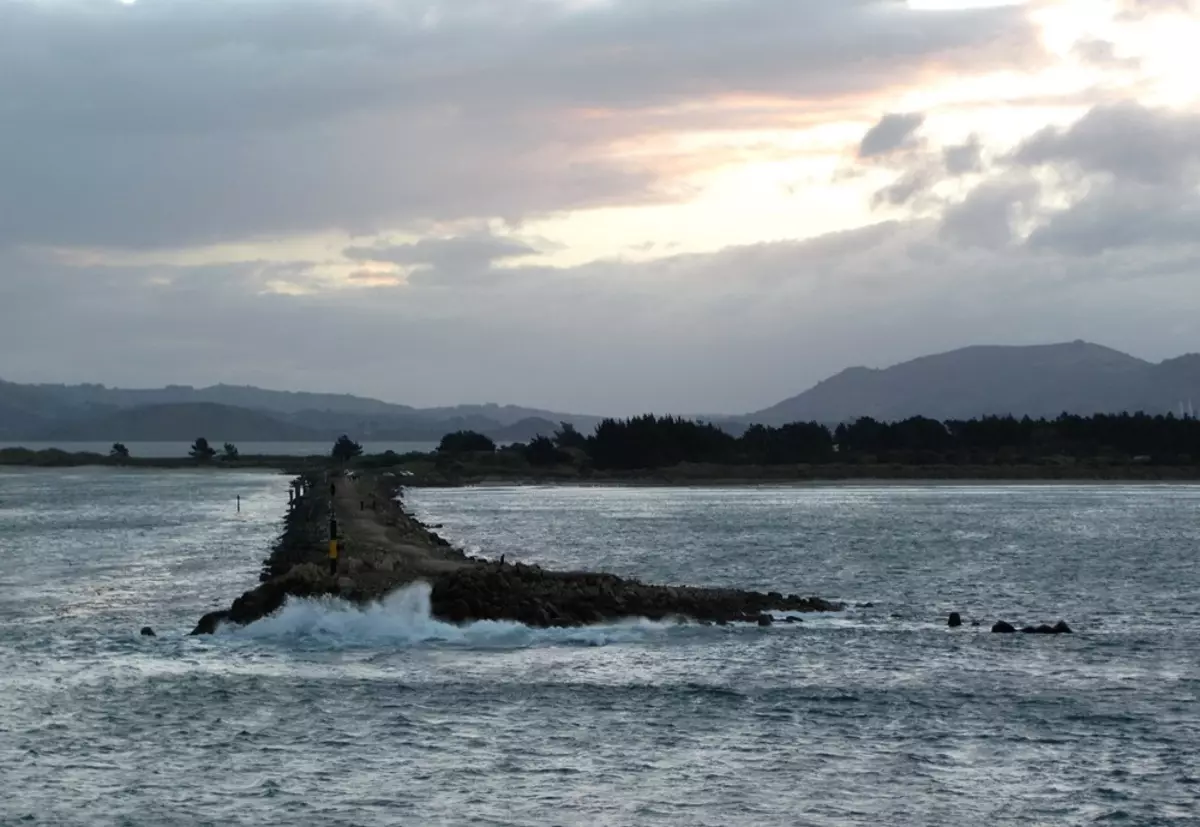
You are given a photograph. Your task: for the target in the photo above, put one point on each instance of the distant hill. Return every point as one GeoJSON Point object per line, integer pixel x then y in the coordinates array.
{"type": "Point", "coordinates": [68, 413]}
{"type": "Point", "coordinates": [525, 430]}
{"type": "Point", "coordinates": [1043, 380]}
{"type": "Point", "coordinates": [181, 423]}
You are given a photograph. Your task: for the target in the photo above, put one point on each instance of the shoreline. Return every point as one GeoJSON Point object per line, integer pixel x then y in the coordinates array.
{"type": "Point", "coordinates": [385, 548]}
{"type": "Point", "coordinates": [423, 473]}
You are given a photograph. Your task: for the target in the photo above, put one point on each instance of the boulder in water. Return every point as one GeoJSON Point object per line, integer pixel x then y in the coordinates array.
{"type": "Point", "coordinates": [148, 632]}
{"type": "Point", "coordinates": [955, 620]}
{"type": "Point", "coordinates": [765, 620]}
{"type": "Point", "coordinates": [209, 623]}
{"type": "Point", "coordinates": [1001, 627]}
{"type": "Point", "coordinates": [1060, 628]}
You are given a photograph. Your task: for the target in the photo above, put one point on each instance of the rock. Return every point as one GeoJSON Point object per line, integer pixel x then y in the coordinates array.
{"type": "Point", "coordinates": [765, 620]}
{"type": "Point", "coordinates": [345, 584]}
{"type": "Point", "coordinates": [209, 623]}
{"type": "Point", "coordinates": [975, 623]}
{"type": "Point", "coordinates": [1001, 627]}
{"type": "Point", "coordinates": [792, 619]}
{"type": "Point", "coordinates": [459, 611]}
{"type": "Point", "coordinates": [148, 632]}
{"type": "Point", "coordinates": [955, 620]}
{"type": "Point", "coordinates": [1060, 628]}
{"type": "Point", "coordinates": [864, 605]}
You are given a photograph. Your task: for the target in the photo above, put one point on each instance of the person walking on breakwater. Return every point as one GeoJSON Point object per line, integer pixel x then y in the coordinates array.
{"type": "Point", "coordinates": [333, 545]}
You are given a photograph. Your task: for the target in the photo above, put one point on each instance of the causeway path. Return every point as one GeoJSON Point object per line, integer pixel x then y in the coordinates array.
{"type": "Point", "coordinates": [385, 537]}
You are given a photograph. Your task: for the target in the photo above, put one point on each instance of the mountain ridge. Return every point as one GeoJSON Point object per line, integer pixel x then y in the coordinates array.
{"type": "Point", "coordinates": [978, 380]}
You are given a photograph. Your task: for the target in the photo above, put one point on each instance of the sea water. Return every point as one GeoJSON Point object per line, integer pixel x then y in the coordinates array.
{"type": "Point", "coordinates": [879, 715]}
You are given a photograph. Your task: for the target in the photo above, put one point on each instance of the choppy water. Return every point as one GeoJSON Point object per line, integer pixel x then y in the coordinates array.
{"type": "Point", "coordinates": [880, 716]}
{"type": "Point", "coordinates": [172, 450]}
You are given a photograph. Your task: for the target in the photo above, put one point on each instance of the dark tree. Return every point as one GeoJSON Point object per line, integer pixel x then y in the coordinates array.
{"type": "Point", "coordinates": [346, 449]}
{"type": "Point", "coordinates": [541, 451]}
{"type": "Point", "coordinates": [567, 437]}
{"type": "Point", "coordinates": [466, 442]}
{"type": "Point", "coordinates": [653, 442]}
{"type": "Point", "coordinates": [201, 450]}
{"type": "Point", "coordinates": [119, 451]}
{"type": "Point", "coordinates": [229, 452]}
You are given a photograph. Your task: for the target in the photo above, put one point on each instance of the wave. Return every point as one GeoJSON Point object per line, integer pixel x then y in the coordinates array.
{"type": "Point", "coordinates": [405, 618]}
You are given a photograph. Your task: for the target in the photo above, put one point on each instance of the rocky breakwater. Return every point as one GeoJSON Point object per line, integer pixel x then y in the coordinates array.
{"type": "Point", "coordinates": [386, 548]}
{"type": "Point", "coordinates": [294, 565]}
{"type": "Point", "coordinates": [537, 597]}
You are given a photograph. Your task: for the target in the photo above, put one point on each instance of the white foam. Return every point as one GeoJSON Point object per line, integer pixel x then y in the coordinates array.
{"type": "Point", "coordinates": [405, 618]}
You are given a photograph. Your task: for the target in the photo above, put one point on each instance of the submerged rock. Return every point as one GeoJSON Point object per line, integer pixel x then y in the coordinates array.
{"type": "Point", "coordinates": [955, 620]}
{"type": "Point", "coordinates": [148, 632]}
{"type": "Point", "coordinates": [1060, 628]}
{"type": "Point", "coordinates": [1001, 627]}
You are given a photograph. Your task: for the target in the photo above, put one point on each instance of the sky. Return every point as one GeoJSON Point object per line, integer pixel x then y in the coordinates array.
{"type": "Point", "coordinates": [601, 206]}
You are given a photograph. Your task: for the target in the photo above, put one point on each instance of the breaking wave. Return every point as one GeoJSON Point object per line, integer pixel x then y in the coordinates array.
{"type": "Point", "coordinates": [405, 618]}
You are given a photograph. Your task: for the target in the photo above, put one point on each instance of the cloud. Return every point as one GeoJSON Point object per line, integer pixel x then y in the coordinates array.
{"type": "Point", "coordinates": [481, 249]}
{"type": "Point", "coordinates": [164, 124]}
{"type": "Point", "coordinates": [891, 133]}
{"type": "Point", "coordinates": [454, 260]}
{"type": "Point", "coordinates": [1126, 140]}
{"type": "Point", "coordinates": [1133, 10]}
{"type": "Point", "coordinates": [179, 122]}
{"type": "Point", "coordinates": [1135, 179]}
{"type": "Point", "coordinates": [964, 158]}
{"type": "Point", "coordinates": [724, 332]}
{"type": "Point", "coordinates": [1103, 54]}
{"type": "Point", "coordinates": [988, 216]}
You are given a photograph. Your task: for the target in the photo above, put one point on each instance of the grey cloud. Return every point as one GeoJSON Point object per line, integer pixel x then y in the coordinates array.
{"type": "Point", "coordinates": [730, 331]}
{"type": "Point", "coordinates": [1127, 140]}
{"type": "Point", "coordinates": [906, 188]}
{"type": "Point", "coordinates": [457, 260]}
{"type": "Point", "coordinates": [169, 123]}
{"type": "Point", "coordinates": [1121, 215]}
{"type": "Point", "coordinates": [1130, 10]}
{"type": "Point", "coordinates": [1140, 172]}
{"type": "Point", "coordinates": [923, 168]}
{"type": "Point", "coordinates": [476, 250]}
{"type": "Point", "coordinates": [964, 158]}
{"type": "Point", "coordinates": [1103, 53]}
{"type": "Point", "coordinates": [892, 132]}
{"type": "Point", "coordinates": [987, 216]}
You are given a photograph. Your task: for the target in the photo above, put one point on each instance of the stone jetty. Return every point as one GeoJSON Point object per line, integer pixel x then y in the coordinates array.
{"type": "Point", "coordinates": [383, 548]}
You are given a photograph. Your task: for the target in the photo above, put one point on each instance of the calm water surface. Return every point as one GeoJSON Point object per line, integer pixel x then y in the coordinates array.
{"type": "Point", "coordinates": [879, 715]}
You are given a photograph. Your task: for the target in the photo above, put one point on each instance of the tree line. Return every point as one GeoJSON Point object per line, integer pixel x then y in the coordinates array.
{"type": "Point", "coordinates": [661, 442]}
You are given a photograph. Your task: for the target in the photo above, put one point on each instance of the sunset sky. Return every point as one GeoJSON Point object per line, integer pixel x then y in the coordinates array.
{"type": "Point", "coordinates": [602, 206]}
